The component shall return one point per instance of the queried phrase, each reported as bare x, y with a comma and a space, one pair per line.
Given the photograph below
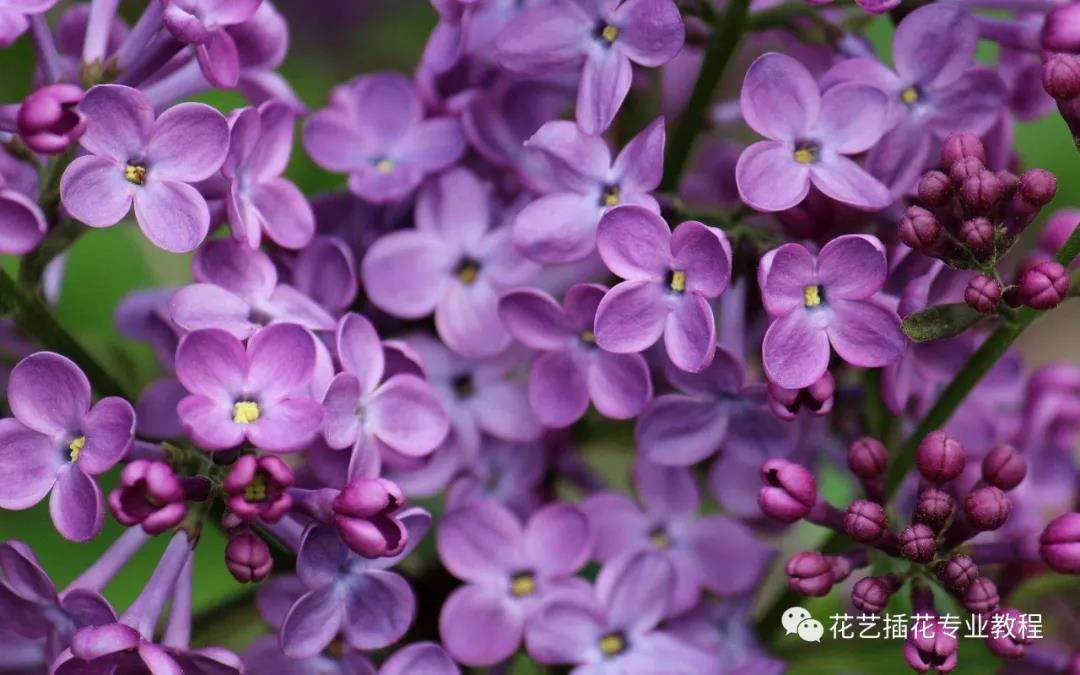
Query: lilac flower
22, 224
510, 474
358, 597
375, 131
325, 271
937, 89
561, 227
57, 442
259, 199
809, 134
201, 23
713, 553
258, 394
453, 264
670, 277
13, 17
363, 406
572, 371
49, 120
257, 488
135, 159
828, 300
615, 630
239, 292
607, 35
510, 571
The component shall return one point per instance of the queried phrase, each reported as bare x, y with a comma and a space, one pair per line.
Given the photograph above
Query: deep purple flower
455, 264
615, 630
931, 645
49, 120
367, 514
259, 199
348, 594
57, 442
258, 394
247, 556
712, 553
238, 292
561, 226
818, 398
809, 134
1059, 544
607, 35
258, 488
364, 406
670, 278
809, 573
149, 494
510, 569
789, 491
826, 301
375, 131
201, 23
941, 458
572, 370
135, 159
1044, 285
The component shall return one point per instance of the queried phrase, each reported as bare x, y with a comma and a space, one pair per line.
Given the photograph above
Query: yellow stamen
522, 585
255, 491
612, 644
660, 540
611, 196
467, 273
384, 165
245, 412
610, 33
678, 281
133, 173
909, 95
811, 296
588, 337
804, 156
76, 447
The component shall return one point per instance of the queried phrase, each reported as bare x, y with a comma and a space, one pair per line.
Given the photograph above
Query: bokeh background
333, 41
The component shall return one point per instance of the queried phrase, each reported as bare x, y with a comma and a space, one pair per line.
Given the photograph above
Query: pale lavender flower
201, 23
22, 224
14, 17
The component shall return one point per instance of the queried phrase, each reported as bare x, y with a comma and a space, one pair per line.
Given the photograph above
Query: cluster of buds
970, 217
934, 547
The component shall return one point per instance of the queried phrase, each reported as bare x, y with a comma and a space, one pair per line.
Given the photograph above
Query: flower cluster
556, 252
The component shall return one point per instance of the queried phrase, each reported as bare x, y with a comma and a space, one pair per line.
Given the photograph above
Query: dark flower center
610, 196
606, 33
659, 538
135, 173
676, 280
523, 584
467, 270
463, 386
612, 644
807, 152
909, 96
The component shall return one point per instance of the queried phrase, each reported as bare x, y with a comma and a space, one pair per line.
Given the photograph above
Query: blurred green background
332, 41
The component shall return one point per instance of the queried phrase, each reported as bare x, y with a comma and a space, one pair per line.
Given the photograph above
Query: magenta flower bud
934, 508
978, 235
865, 521
958, 572
960, 146
1004, 467
981, 596
940, 458
1012, 643
1061, 29
789, 493
981, 192
867, 458
964, 168
931, 647
817, 398
809, 573
935, 189
1061, 76
1059, 544
1009, 182
918, 543
1038, 187
49, 120
149, 494
869, 595
987, 508
1044, 285
257, 488
364, 515
920, 230
982, 293
247, 556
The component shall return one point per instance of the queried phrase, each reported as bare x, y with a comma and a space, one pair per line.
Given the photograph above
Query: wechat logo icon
798, 620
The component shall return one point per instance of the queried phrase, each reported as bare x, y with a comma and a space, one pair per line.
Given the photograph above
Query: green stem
722, 44
34, 318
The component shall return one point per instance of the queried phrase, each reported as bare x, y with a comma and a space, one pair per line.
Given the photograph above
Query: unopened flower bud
865, 521
364, 515
1004, 467
1044, 285
982, 192
981, 596
934, 508
940, 458
809, 573
918, 543
790, 490
248, 557
978, 235
920, 230
1061, 29
1038, 187
1009, 644
1061, 76
817, 398
869, 595
958, 572
987, 508
150, 494
258, 488
935, 189
867, 458
1009, 182
965, 168
1059, 544
982, 293
962, 146
49, 120
932, 646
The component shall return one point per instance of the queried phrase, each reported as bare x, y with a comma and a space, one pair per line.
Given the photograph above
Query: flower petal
286, 215
48, 393
769, 178
640, 165
109, 429
119, 121
209, 422
795, 352
557, 389
94, 191
779, 98
480, 542
29, 463
690, 333
557, 228
379, 608
791, 269
704, 253
636, 589
480, 626
564, 631
679, 430
728, 559
281, 361
605, 82
360, 351
853, 118
935, 44
420, 657
556, 540
172, 215
634, 243
847, 182
312, 622
467, 320
852, 267
22, 224
972, 103
212, 363
189, 143
406, 415
432, 144
287, 425
631, 317
619, 384
533, 318
199, 306
76, 505
544, 38
406, 273
651, 33
865, 333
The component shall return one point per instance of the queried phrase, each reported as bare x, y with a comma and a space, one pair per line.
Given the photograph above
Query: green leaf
940, 321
